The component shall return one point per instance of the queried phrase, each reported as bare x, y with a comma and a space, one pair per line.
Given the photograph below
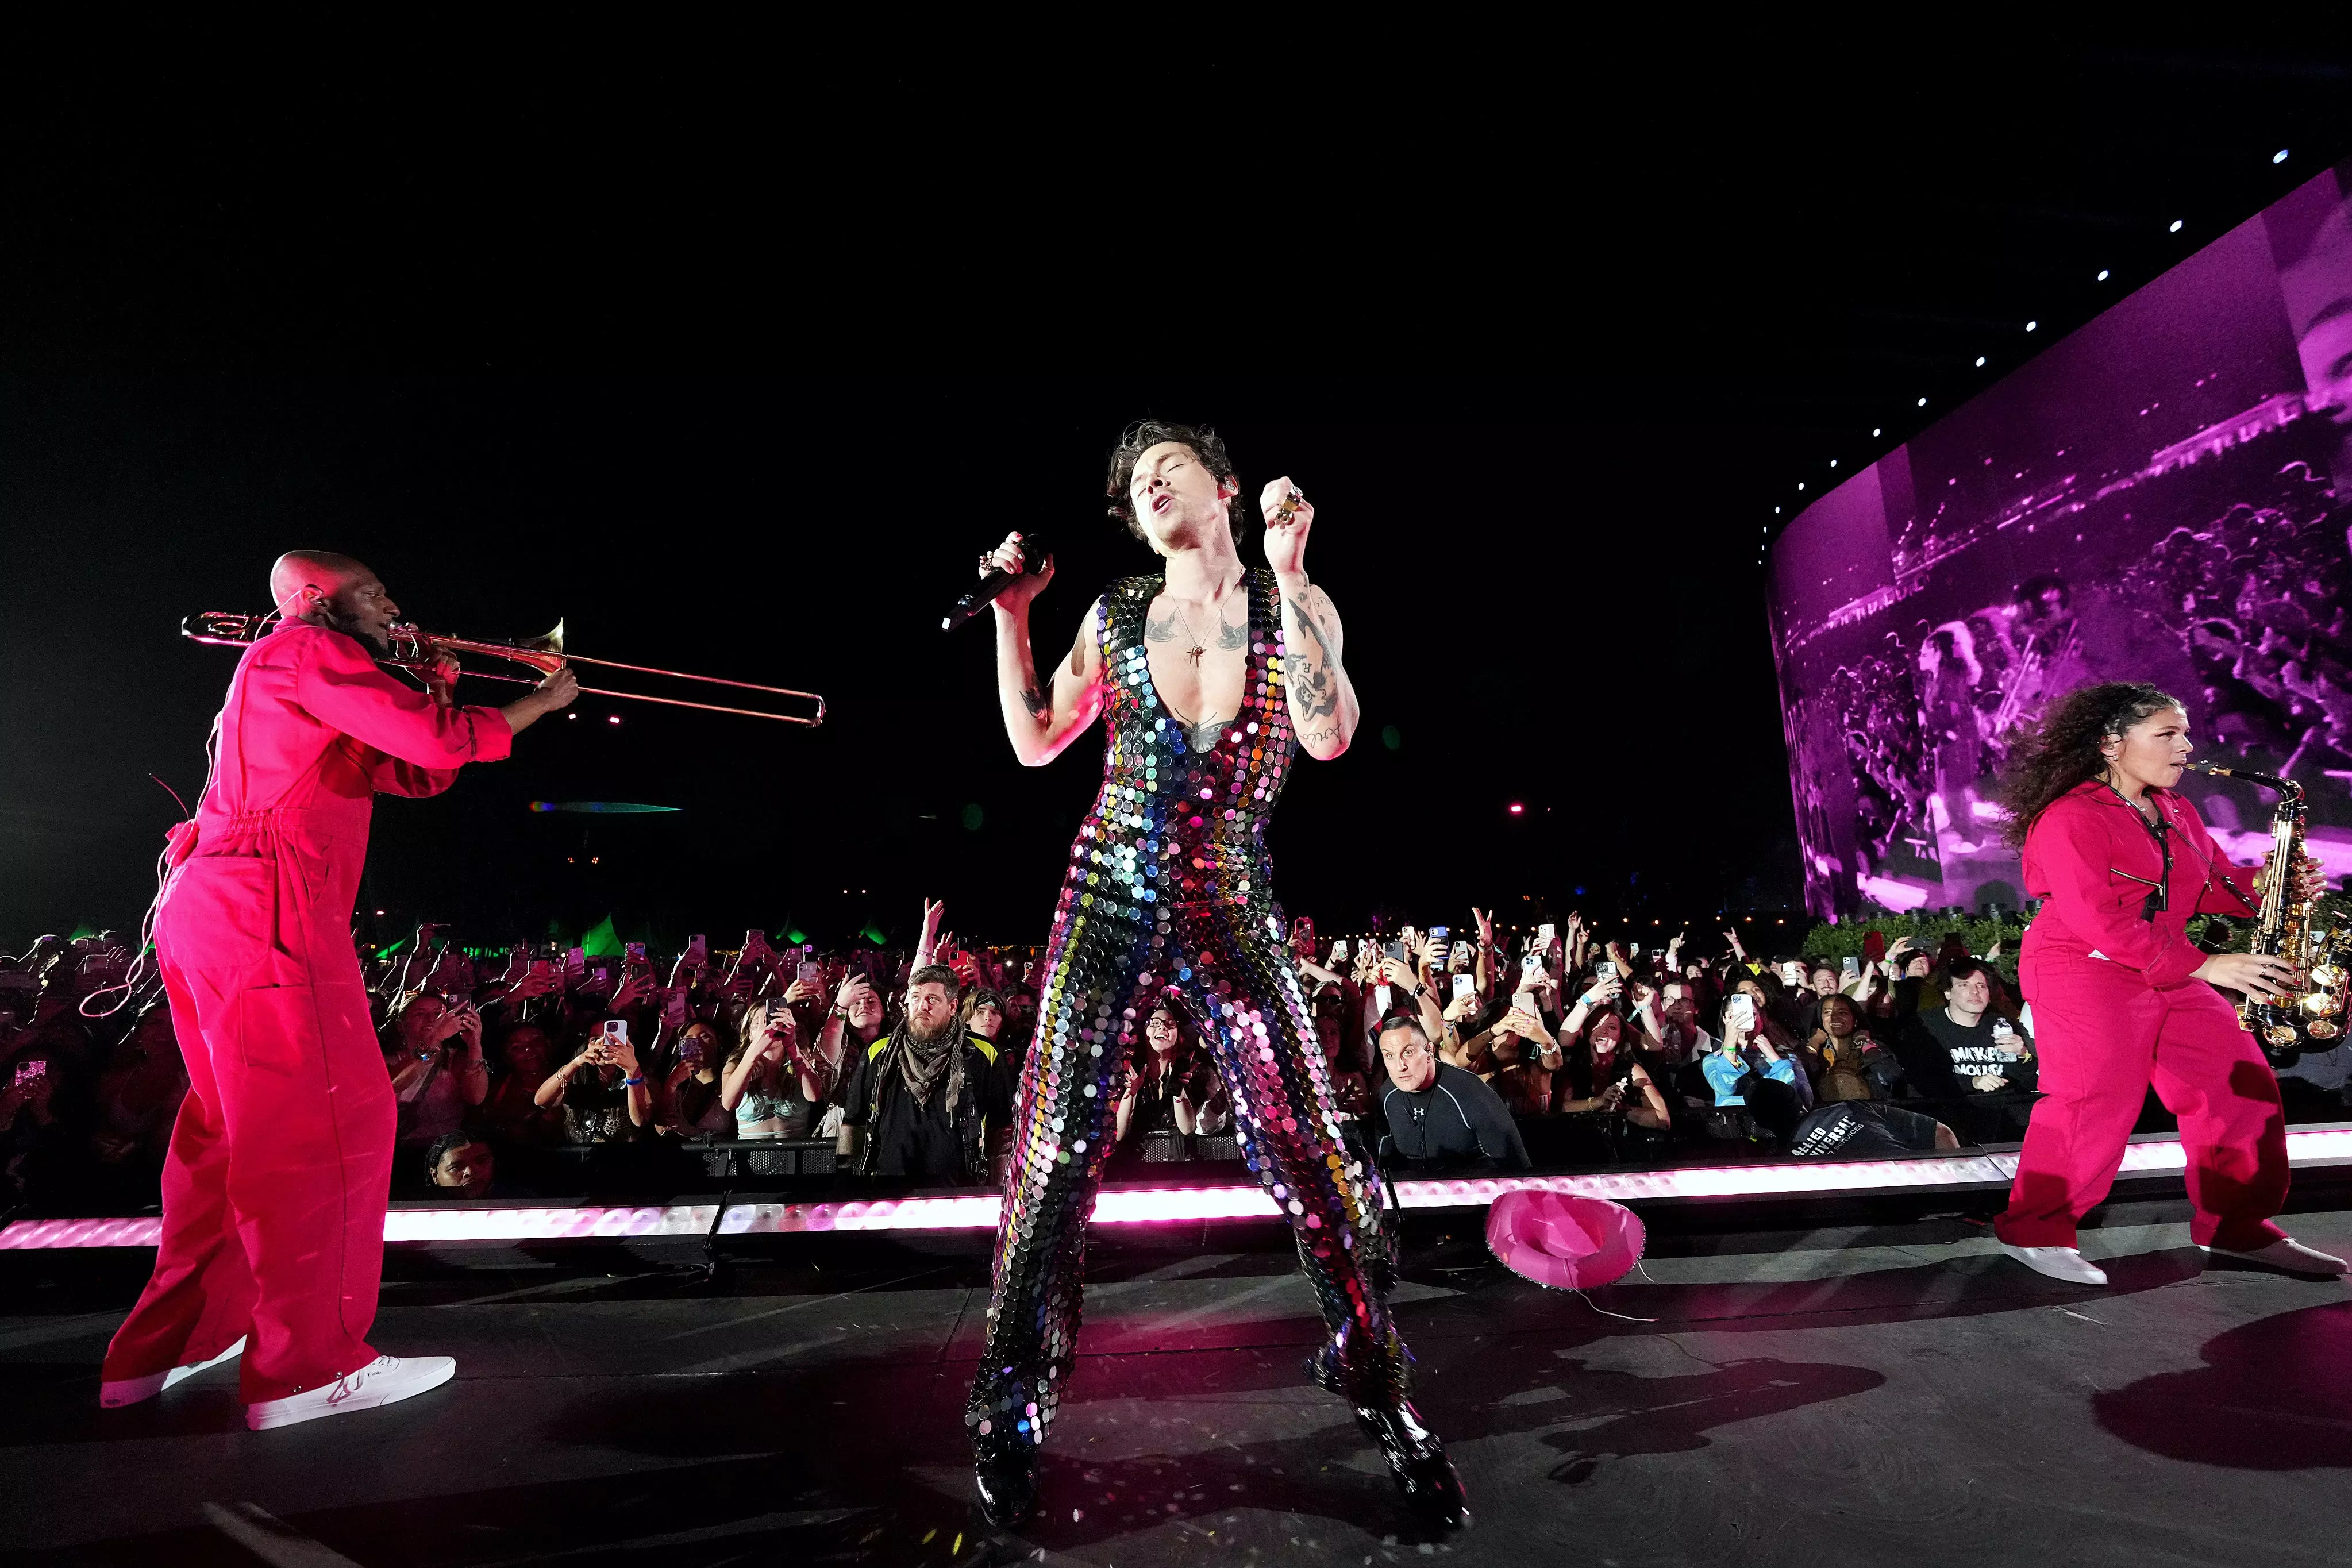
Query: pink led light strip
1162, 1205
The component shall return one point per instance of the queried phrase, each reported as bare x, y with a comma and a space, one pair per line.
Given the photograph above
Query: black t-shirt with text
1856, 1129
1976, 1052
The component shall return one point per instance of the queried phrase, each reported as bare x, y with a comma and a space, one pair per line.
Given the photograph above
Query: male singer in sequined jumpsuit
1207, 678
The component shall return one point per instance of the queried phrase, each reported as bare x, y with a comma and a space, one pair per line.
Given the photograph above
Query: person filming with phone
1751, 1042
439, 1073
601, 1090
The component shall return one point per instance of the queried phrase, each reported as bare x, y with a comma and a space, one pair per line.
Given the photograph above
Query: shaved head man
275, 1188
336, 591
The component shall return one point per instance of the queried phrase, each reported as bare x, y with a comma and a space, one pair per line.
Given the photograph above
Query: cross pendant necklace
1195, 651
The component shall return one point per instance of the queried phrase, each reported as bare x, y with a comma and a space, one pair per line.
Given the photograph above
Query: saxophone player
2121, 999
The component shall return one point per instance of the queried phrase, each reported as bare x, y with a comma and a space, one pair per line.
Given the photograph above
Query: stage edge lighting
1152, 1206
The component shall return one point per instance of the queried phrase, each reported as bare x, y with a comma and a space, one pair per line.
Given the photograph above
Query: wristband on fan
633, 1083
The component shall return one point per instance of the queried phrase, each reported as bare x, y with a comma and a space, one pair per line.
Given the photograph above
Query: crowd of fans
524, 1072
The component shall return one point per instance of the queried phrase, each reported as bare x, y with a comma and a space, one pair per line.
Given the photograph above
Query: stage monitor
2161, 496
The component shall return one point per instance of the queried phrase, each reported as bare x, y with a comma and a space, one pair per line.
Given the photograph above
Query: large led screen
2161, 496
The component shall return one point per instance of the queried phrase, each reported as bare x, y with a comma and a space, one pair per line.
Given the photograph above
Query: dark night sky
736, 372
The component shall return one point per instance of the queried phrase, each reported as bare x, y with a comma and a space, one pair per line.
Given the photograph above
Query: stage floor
1896, 1394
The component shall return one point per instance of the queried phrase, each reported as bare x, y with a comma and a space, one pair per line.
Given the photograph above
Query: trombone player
281, 1162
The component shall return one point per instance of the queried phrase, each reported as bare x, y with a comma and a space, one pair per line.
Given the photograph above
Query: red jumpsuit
2114, 1008
281, 1162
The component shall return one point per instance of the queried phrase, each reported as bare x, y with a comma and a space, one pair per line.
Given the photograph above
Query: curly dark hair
1146, 434
2064, 750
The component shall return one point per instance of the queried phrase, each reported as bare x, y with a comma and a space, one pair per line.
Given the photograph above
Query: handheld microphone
1036, 557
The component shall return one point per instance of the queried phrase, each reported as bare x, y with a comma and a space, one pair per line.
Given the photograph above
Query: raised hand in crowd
1527, 1025
637, 986
538, 978
1394, 972
933, 940
473, 1069
1316, 972
1424, 953
848, 991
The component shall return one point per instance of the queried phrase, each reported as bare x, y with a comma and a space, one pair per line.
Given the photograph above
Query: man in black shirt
1439, 1116
1981, 1063
1847, 1129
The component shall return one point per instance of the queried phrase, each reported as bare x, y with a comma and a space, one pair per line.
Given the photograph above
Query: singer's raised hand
1323, 709
1286, 535
1043, 711
1008, 558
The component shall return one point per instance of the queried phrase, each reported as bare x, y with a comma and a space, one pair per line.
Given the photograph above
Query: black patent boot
1416, 1459
1417, 1462
1008, 1486
1323, 1369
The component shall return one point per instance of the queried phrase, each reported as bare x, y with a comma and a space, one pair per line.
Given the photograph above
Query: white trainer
386, 1380
134, 1390
2066, 1263
2287, 1253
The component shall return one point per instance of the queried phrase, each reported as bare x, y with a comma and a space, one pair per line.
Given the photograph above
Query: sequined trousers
1171, 897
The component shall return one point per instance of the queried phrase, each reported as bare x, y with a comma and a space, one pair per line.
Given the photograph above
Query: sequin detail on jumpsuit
1168, 890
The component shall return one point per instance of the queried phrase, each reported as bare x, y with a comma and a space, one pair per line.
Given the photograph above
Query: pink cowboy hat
1564, 1242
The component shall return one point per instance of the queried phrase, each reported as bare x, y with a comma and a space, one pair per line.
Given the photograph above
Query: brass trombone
413, 650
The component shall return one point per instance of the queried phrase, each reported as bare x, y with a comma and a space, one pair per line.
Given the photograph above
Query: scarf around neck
921, 1066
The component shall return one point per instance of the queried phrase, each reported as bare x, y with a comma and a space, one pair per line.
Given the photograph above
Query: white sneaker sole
137, 1390
2097, 1276
316, 1404
2274, 1266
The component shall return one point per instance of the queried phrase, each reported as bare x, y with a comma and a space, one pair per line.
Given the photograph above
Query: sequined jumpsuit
1168, 890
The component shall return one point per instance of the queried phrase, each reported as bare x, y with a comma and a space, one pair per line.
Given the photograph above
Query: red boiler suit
275, 1187
2113, 1008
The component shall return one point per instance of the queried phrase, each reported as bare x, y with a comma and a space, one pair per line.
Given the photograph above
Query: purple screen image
2163, 495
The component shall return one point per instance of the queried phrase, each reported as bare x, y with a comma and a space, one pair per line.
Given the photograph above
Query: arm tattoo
1034, 701
1319, 691
1314, 628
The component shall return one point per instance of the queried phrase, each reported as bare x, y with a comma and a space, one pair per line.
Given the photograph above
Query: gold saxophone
2292, 927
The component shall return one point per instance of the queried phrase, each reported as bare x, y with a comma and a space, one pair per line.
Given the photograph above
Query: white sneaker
386, 1380
2066, 1263
2287, 1253
132, 1390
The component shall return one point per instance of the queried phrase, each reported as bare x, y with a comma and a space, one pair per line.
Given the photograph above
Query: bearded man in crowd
927, 1094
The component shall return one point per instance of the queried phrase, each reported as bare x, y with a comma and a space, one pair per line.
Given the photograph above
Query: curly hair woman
2121, 999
